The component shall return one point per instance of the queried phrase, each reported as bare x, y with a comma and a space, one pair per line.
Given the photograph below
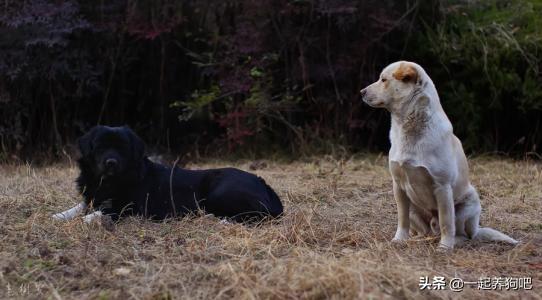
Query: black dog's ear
138, 147
85, 141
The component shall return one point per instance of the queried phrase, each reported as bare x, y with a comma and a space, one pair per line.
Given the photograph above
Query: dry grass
333, 241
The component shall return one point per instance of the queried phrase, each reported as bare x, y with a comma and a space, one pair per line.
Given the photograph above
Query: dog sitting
118, 180
426, 160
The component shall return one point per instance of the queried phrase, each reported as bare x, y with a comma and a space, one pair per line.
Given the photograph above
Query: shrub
487, 64
260, 76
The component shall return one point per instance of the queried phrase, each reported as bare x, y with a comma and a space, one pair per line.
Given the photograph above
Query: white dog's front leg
93, 216
446, 216
403, 220
70, 213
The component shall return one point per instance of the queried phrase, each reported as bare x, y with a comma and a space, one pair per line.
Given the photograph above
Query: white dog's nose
363, 92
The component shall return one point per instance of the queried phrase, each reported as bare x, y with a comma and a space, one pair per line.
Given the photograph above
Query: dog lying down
117, 180
426, 160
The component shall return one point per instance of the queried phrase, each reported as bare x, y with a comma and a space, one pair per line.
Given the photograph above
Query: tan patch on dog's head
406, 73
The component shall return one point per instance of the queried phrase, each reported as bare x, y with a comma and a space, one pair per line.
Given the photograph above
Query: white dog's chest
417, 184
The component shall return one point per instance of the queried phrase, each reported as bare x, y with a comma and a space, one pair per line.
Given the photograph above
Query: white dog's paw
401, 236
446, 244
444, 248
460, 240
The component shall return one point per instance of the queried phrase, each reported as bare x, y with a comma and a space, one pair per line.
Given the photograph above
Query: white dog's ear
406, 73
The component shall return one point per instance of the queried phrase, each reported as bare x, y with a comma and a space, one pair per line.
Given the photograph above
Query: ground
332, 242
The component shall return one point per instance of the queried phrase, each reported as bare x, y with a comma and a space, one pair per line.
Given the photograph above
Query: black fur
119, 180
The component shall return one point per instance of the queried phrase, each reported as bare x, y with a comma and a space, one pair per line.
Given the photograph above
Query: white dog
426, 160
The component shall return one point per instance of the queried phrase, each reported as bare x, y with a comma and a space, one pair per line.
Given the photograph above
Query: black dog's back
226, 192
239, 195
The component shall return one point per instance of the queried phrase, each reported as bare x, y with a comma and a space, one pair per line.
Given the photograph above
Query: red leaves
235, 123
150, 31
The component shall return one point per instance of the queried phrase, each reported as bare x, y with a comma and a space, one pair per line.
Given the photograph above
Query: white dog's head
398, 84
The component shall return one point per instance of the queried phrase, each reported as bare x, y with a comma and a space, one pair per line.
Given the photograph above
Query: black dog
117, 179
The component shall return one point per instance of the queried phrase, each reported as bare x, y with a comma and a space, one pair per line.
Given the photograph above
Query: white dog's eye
383, 79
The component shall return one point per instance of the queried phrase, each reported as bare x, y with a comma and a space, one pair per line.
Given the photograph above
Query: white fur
70, 213
427, 162
224, 222
97, 215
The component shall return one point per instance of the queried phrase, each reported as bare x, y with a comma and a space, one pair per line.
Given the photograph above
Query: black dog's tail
275, 208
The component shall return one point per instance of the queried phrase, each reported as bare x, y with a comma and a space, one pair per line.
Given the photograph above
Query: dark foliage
209, 76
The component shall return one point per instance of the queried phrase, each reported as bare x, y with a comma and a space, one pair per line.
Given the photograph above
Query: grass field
332, 243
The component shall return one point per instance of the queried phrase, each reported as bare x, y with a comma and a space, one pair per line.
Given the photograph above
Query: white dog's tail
490, 234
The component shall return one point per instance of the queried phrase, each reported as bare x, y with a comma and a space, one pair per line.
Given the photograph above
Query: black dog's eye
383, 79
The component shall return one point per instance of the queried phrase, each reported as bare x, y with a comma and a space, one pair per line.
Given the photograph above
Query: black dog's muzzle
110, 166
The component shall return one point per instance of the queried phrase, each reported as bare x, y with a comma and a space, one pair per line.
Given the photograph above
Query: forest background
258, 77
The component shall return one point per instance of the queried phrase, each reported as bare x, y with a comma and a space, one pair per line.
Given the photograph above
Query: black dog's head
111, 152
